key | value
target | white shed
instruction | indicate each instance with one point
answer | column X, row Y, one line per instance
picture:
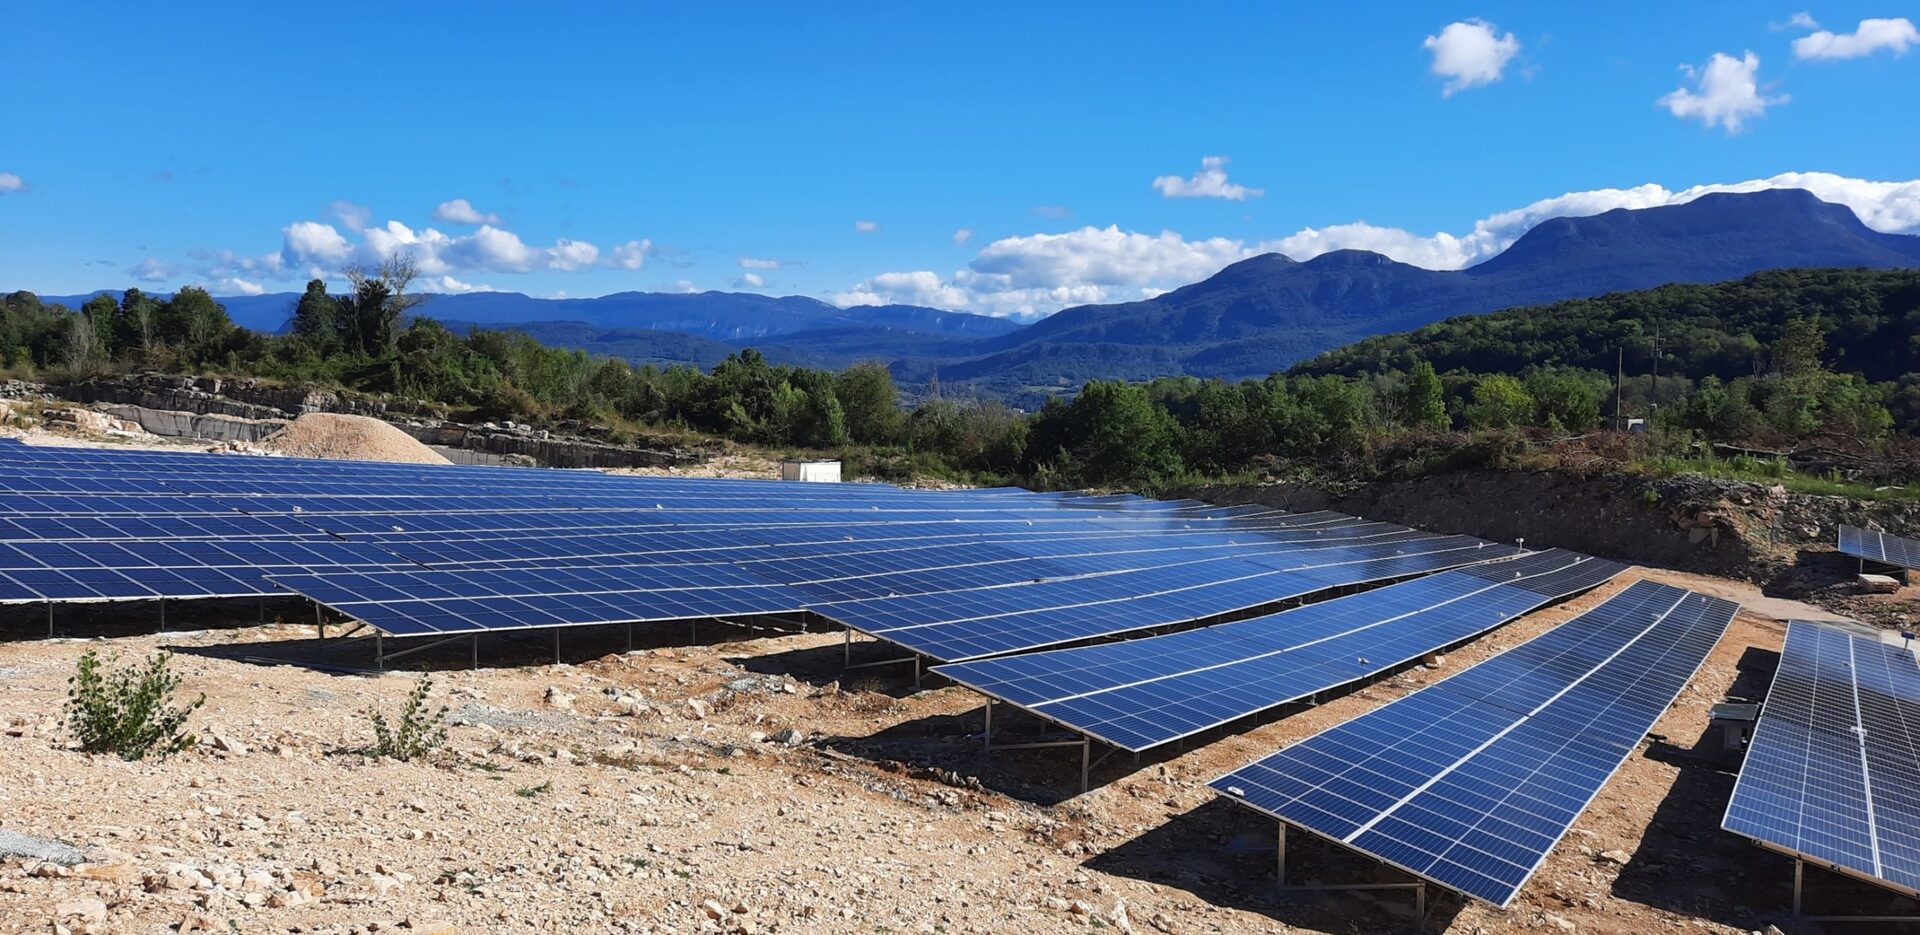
column 826, row 472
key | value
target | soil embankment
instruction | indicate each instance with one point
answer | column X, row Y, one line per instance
column 1730, row 529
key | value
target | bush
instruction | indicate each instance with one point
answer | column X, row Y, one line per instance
column 128, row 711
column 417, row 734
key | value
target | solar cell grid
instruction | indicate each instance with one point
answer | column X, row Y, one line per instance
column 1471, row 781
column 1880, row 547
column 1832, row 772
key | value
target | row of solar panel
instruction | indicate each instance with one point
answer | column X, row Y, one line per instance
column 1879, row 547
column 1146, row 692
column 1471, row 781
column 1832, row 773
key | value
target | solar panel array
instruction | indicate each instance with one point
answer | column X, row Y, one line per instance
column 1832, row 773
column 1146, row 692
column 1471, row 781
column 440, row 550
column 1880, row 547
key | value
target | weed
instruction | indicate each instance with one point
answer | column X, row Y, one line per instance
column 528, row 792
column 418, row 732
column 128, row 711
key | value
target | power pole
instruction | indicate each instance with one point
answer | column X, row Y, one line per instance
column 1619, row 377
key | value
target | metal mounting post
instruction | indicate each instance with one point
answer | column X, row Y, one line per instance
column 379, row 651
column 986, row 735
column 49, row 620
column 320, row 619
column 476, row 652
column 163, row 615
column 556, row 644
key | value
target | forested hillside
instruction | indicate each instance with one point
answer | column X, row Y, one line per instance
column 1780, row 360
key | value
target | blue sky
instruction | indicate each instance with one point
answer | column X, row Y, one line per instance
column 998, row 158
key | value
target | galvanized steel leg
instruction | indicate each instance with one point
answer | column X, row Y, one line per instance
column 1798, row 867
column 1280, row 873
column 629, row 637
column 1420, row 905
column 916, row 672
column 163, row 615
column 1086, row 763
column 847, row 654
column 987, row 736
column 263, row 609
column 49, row 620
column 556, row 645
column 379, row 651
column 476, row 652
column 320, row 619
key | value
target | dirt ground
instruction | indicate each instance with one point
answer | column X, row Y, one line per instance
column 718, row 779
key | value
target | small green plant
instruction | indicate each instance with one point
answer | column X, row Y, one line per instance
column 417, row 733
column 127, row 711
column 529, row 792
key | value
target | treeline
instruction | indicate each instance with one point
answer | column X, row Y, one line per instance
column 1529, row 375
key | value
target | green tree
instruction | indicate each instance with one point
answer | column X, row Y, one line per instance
column 870, row 402
column 1797, row 351
column 1500, row 401
column 316, row 320
column 1423, row 402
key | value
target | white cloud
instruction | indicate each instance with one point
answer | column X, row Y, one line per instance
column 1470, row 53
column 1209, row 182
column 1726, row 93
column 311, row 242
column 152, row 270
column 1872, row 35
column 686, row 286
column 750, row 281
column 10, row 182
column 1800, row 20
column 751, row 262
column 1042, row 273
column 630, row 255
column 234, row 285
column 961, row 236
column 462, row 211
column 865, row 226
column 354, row 216
column 452, row 286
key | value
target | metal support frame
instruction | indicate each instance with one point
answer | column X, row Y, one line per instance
column 1085, row 743
column 1419, row 887
column 49, row 620
column 848, row 663
column 163, row 615
column 385, row 656
column 320, row 619
column 1799, row 877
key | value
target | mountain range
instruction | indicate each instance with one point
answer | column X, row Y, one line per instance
column 1256, row 316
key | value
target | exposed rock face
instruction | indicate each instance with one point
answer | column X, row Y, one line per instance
column 1734, row 529
column 176, row 423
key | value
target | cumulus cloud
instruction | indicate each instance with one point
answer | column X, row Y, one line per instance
column 152, row 270
column 1209, row 182
column 1896, row 34
column 1470, row 53
column 630, row 255
column 1042, row 273
column 354, row 216
column 10, row 182
column 1726, row 93
column 750, row 281
column 234, row 285
column 962, row 235
column 452, row 286
column 753, row 262
column 462, row 211
column 865, row 226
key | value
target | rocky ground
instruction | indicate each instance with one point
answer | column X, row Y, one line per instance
column 728, row 780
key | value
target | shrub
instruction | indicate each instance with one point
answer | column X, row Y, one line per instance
column 128, row 711
column 418, row 732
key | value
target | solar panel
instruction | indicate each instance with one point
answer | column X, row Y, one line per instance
column 1146, row 692
column 1471, row 781
column 959, row 626
column 1832, row 773
column 1879, row 547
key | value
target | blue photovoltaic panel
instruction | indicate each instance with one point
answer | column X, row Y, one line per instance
column 1470, row 782
column 1146, row 692
column 1832, row 773
column 1879, row 547
column 959, row 626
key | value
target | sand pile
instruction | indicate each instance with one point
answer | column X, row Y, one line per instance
column 353, row 438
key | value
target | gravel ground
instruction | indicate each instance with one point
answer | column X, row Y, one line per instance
column 740, row 786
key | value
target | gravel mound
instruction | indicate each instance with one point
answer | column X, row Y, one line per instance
column 353, row 438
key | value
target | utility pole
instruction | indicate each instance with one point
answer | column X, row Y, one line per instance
column 1619, row 377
